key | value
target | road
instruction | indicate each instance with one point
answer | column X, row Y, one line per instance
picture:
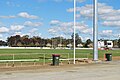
column 98, row 71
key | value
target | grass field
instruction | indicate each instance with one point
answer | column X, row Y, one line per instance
column 43, row 56
column 48, row 52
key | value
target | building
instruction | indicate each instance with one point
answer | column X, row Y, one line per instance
column 109, row 44
column 103, row 44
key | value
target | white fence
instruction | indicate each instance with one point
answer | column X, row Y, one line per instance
column 6, row 47
column 20, row 59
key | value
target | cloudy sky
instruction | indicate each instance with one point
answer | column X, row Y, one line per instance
column 50, row 18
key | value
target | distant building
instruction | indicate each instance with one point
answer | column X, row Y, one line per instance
column 69, row 45
column 60, row 45
column 90, row 45
column 80, row 45
column 102, row 44
column 48, row 45
column 109, row 44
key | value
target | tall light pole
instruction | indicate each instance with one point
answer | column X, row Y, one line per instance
column 95, row 30
column 74, row 27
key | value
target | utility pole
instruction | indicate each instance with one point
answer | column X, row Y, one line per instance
column 95, row 30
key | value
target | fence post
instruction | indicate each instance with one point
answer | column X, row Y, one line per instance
column 7, row 64
column 87, row 55
column 44, row 59
column 68, row 58
column 34, row 62
column 13, row 60
column 21, row 63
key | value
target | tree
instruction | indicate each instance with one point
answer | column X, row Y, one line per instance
column 19, row 44
column 88, row 41
column 77, row 39
column 119, row 43
column 37, row 44
column 115, row 43
column 3, row 43
column 13, row 40
column 54, row 42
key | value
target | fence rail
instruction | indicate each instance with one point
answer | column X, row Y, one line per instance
column 46, row 58
column 39, row 58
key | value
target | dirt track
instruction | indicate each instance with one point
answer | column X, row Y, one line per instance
column 101, row 71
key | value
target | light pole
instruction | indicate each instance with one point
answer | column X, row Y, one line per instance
column 95, row 31
column 74, row 27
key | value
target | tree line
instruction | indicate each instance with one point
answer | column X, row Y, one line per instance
column 36, row 41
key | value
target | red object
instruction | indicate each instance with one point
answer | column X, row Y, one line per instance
column 106, row 48
column 56, row 55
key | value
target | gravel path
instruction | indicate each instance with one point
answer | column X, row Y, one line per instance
column 101, row 71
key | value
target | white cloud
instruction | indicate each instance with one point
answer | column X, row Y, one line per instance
column 61, row 27
column 7, row 17
column 72, row 9
column 20, row 33
column 22, row 15
column 112, row 16
column 106, row 33
column 16, row 27
column 67, row 28
column 108, row 16
column 26, row 15
column 54, row 22
column 105, row 12
column 83, row 28
column 12, row 4
column 17, row 33
column 84, row 11
column 111, row 23
column 4, row 30
column 52, row 31
column 33, row 30
column 33, row 24
column 104, row 9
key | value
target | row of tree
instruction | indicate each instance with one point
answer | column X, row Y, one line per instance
column 36, row 41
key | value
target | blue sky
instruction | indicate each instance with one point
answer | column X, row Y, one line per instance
column 50, row 18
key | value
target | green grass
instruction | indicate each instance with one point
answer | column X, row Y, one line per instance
column 14, row 51
column 20, row 53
